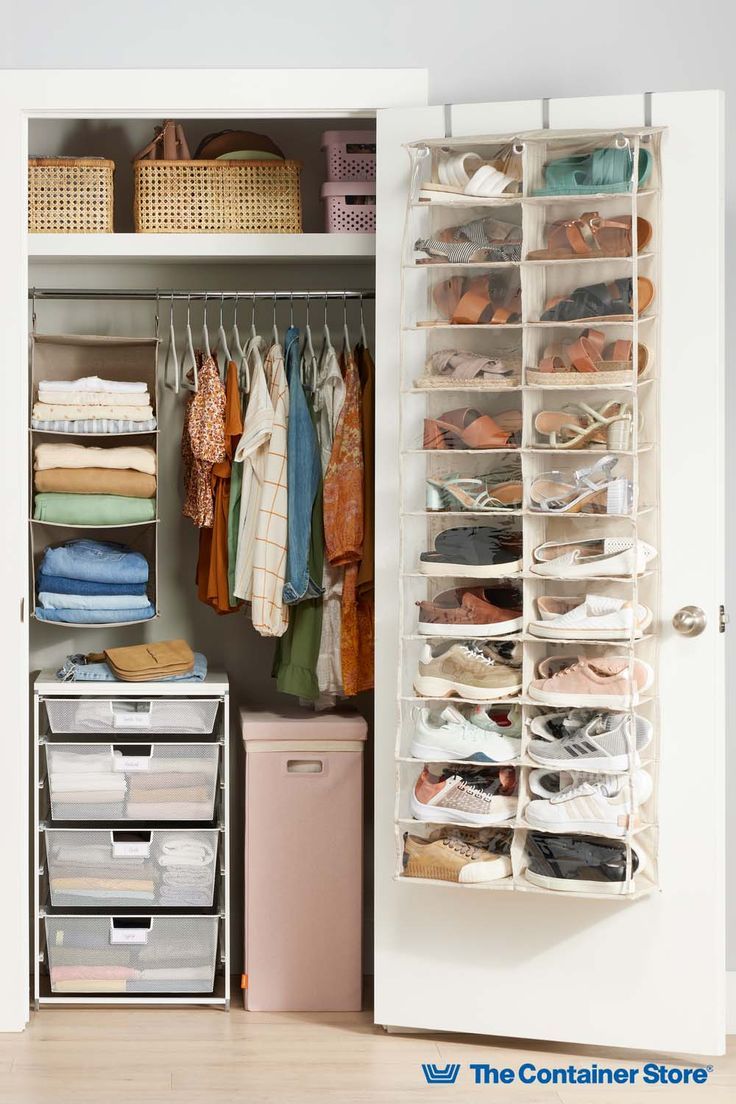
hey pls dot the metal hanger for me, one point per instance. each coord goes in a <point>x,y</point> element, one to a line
<point>276,338</point>
<point>239,358</point>
<point>222,345</point>
<point>189,360</point>
<point>309,357</point>
<point>171,359</point>
<point>205,333</point>
<point>363,338</point>
<point>345,332</point>
<point>253,330</point>
<point>326,336</point>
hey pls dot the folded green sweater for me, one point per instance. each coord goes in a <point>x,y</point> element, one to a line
<point>93,509</point>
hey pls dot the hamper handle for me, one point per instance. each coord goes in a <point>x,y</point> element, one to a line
<point>305,766</point>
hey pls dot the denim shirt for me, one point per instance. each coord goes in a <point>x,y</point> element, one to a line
<point>304,472</point>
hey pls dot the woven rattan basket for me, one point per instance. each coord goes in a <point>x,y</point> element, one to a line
<point>218,197</point>
<point>70,195</point>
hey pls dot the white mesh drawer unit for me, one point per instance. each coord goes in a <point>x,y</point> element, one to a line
<point>131,954</point>
<point>154,782</point>
<point>128,868</point>
<point>166,716</point>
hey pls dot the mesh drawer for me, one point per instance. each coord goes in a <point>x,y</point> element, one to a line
<point>132,782</point>
<point>194,716</point>
<point>141,954</point>
<point>102,868</point>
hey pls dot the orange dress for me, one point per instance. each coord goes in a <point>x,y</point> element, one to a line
<point>212,565</point>
<point>365,583</point>
<point>343,517</point>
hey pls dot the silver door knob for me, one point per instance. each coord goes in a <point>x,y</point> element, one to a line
<point>690,621</point>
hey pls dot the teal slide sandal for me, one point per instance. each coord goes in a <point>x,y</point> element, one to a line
<point>603,170</point>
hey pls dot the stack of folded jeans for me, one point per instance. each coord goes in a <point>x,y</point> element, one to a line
<point>93,405</point>
<point>89,582</point>
<point>76,485</point>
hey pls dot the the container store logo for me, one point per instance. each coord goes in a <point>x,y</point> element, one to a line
<point>652,1073</point>
<point>441,1075</point>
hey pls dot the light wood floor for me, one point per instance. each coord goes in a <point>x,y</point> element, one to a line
<point>204,1056</point>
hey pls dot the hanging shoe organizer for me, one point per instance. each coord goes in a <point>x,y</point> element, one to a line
<point>533,301</point>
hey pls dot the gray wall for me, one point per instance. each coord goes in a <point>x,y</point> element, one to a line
<point>475,51</point>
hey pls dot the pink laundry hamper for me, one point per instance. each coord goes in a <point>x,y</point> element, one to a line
<point>303,861</point>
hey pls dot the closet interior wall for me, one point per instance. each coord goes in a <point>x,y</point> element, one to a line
<point>229,642</point>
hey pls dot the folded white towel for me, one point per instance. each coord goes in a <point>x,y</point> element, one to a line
<point>93,398</point>
<point>80,783</point>
<point>185,852</point>
<point>187,876</point>
<point>75,762</point>
<point>93,383</point>
<point>140,458</point>
<point>46,412</point>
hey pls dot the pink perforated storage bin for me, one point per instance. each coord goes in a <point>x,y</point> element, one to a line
<point>350,208</point>
<point>303,861</point>
<point>350,154</point>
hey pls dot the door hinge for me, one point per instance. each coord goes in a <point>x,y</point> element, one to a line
<point>722,618</point>
<point>22,610</point>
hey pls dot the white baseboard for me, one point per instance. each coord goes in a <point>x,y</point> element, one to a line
<point>731,1002</point>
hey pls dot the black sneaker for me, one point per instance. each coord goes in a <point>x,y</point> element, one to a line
<point>580,864</point>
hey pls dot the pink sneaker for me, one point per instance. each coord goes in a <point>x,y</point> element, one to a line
<point>606,682</point>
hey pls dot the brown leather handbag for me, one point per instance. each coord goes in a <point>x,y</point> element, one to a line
<point>168,144</point>
<point>151,662</point>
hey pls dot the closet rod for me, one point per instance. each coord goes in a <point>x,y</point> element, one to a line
<point>168,295</point>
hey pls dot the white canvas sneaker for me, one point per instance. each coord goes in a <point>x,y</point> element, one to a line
<point>605,803</point>
<point>608,557</point>
<point>595,617</point>
<point>446,736</point>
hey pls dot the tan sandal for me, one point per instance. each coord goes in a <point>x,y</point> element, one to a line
<point>589,235</point>
<point>569,364</point>
<point>467,428</point>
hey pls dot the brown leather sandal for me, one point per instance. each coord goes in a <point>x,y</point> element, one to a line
<point>467,428</point>
<point>474,302</point>
<point>589,355</point>
<point>592,236</point>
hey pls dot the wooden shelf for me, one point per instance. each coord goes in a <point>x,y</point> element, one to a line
<point>198,247</point>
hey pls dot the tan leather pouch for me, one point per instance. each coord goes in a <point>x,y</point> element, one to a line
<point>149,662</point>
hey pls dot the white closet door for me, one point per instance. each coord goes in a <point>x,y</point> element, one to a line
<point>650,973</point>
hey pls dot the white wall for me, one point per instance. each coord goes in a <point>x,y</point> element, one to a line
<point>474,51</point>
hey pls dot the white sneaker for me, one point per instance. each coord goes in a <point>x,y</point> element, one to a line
<point>446,736</point>
<point>609,557</point>
<point>478,715</point>
<point>605,803</point>
<point>595,617</point>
